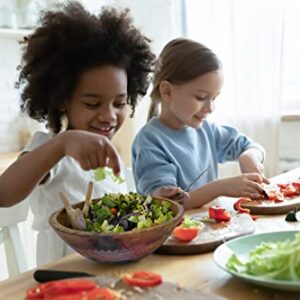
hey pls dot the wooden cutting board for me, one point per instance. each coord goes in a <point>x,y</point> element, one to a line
<point>211,236</point>
<point>266,207</point>
<point>164,291</point>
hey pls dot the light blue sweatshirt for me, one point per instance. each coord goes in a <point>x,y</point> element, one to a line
<point>162,156</point>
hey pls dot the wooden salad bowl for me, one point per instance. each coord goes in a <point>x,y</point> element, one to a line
<point>115,247</point>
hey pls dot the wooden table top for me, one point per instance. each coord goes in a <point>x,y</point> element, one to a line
<point>189,270</point>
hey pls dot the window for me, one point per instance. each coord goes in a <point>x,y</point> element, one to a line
<point>291,59</point>
<point>210,21</point>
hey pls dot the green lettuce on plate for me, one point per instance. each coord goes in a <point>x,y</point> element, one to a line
<point>273,260</point>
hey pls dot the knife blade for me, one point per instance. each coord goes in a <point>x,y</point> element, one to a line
<point>191,183</point>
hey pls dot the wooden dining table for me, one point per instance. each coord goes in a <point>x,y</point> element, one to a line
<point>199,271</point>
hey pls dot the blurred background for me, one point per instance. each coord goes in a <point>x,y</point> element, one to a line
<point>256,40</point>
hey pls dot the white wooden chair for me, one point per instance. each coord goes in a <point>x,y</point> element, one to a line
<point>10,237</point>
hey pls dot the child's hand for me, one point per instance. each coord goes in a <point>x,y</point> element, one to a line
<point>166,191</point>
<point>171,192</point>
<point>250,162</point>
<point>90,150</point>
<point>246,185</point>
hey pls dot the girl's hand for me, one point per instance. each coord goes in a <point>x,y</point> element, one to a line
<point>90,150</point>
<point>171,192</point>
<point>246,185</point>
<point>251,162</point>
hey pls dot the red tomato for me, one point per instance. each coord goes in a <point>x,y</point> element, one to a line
<point>185,234</point>
<point>296,184</point>
<point>100,294</point>
<point>290,191</point>
<point>219,214</point>
<point>94,294</point>
<point>283,186</point>
<point>73,296</point>
<point>35,293</point>
<point>275,196</point>
<point>238,205</point>
<point>113,210</point>
<point>60,287</point>
<point>143,279</point>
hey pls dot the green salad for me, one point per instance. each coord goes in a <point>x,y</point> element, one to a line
<point>125,212</point>
<point>272,260</point>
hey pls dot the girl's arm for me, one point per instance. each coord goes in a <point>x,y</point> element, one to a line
<point>90,150</point>
<point>246,185</point>
<point>251,160</point>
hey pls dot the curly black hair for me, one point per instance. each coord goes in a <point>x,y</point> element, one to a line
<point>70,41</point>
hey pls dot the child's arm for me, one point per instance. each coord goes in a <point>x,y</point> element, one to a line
<point>251,161</point>
<point>246,185</point>
<point>89,149</point>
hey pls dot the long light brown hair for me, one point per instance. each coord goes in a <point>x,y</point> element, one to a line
<point>180,61</point>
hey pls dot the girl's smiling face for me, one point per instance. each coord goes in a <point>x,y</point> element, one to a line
<point>99,102</point>
<point>189,104</point>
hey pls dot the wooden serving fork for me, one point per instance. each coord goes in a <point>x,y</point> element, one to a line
<point>76,215</point>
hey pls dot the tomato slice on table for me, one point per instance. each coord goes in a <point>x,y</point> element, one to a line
<point>60,287</point>
<point>218,213</point>
<point>142,279</point>
<point>35,293</point>
<point>73,296</point>
<point>100,294</point>
<point>185,234</point>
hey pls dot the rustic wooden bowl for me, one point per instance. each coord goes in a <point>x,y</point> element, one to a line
<point>115,247</point>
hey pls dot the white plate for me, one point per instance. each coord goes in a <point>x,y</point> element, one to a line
<point>242,246</point>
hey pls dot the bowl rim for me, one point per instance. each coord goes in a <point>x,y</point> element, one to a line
<point>57,226</point>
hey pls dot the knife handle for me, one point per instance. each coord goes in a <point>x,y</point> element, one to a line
<point>49,275</point>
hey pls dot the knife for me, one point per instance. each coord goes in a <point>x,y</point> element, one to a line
<point>178,195</point>
<point>191,183</point>
<point>166,290</point>
<point>49,275</point>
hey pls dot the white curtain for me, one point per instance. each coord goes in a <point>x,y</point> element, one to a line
<point>247,35</point>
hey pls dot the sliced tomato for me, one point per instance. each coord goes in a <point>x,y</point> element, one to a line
<point>282,185</point>
<point>60,287</point>
<point>143,279</point>
<point>72,296</point>
<point>296,183</point>
<point>185,234</point>
<point>113,210</point>
<point>35,293</point>
<point>238,205</point>
<point>68,286</point>
<point>100,294</point>
<point>290,191</point>
<point>219,214</point>
<point>276,196</point>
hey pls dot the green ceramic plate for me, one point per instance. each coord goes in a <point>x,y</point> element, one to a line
<point>242,246</point>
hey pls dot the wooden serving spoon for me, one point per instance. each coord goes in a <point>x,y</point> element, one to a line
<point>75,214</point>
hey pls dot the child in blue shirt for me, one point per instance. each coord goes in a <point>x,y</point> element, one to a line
<point>174,148</point>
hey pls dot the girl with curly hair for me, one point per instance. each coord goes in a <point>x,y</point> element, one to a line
<point>86,69</point>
